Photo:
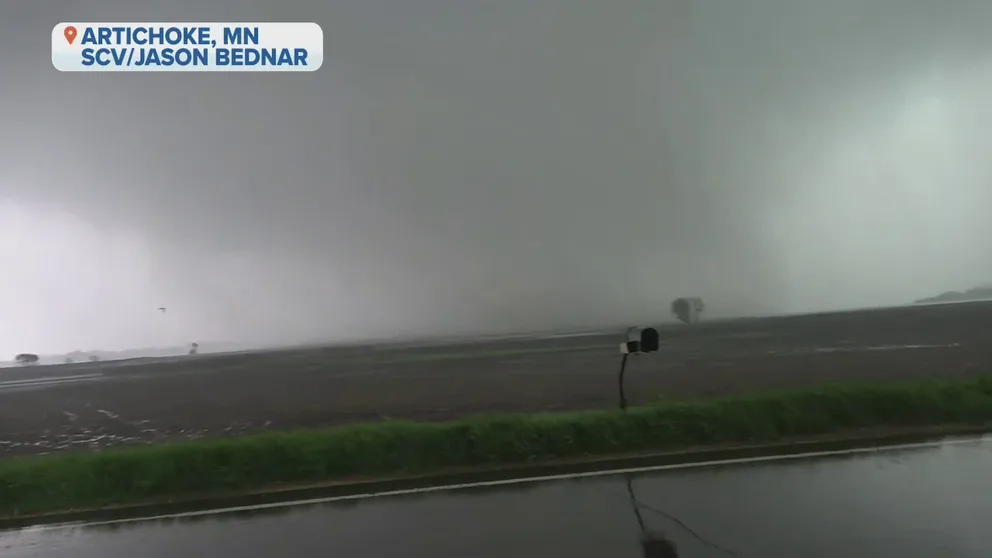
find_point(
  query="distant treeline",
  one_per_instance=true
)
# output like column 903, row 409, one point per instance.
column 147, row 352
column 978, row 293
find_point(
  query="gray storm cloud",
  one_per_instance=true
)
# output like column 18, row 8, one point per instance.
column 496, row 166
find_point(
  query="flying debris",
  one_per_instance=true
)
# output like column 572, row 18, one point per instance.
column 161, row 309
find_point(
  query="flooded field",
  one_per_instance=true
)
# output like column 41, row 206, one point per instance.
column 48, row 409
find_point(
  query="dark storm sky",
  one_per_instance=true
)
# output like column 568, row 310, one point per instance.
column 494, row 166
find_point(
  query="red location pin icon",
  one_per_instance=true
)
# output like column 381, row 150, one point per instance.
column 70, row 34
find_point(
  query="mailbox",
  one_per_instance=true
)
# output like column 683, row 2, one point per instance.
column 640, row 340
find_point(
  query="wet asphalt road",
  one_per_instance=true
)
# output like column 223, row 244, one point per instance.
column 911, row 503
column 84, row 406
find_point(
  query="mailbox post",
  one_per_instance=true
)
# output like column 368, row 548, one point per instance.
column 640, row 340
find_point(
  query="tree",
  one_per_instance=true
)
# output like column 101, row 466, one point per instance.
column 94, row 358
column 68, row 360
column 26, row 359
column 687, row 309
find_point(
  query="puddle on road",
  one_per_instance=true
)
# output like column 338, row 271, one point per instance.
column 917, row 502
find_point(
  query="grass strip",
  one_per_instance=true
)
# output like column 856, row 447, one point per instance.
column 61, row 482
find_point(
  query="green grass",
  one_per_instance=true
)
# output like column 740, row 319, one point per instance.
column 89, row 480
